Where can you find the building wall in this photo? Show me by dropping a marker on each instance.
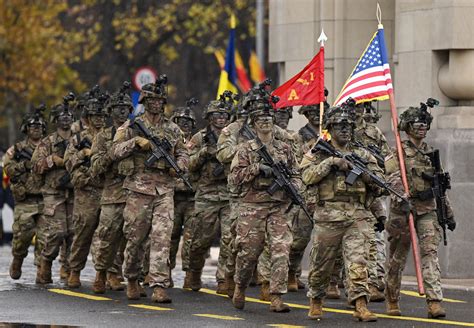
(431, 49)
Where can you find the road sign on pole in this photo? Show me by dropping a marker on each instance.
(142, 76)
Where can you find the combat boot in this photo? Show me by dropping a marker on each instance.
(333, 292)
(315, 308)
(133, 293)
(376, 295)
(292, 282)
(15, 268)
(99, 284)
(38, 275)
(435, 310)
(113, 282)
(301, 284)
(362, 312)
(63, 273)
(277, 304)
(142, 290)
(196, 284)
(146, 281)
(265, 291)
(393, 309)
(74, 280)
(229, 280)
(45, 272)
(187, 280)
(239, 297)
(160, 296)
(221, 288)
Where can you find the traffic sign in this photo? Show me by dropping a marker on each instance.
(142, 76)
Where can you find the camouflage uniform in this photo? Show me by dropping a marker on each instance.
(26, 189)
(58, 197)
(149, 208)
(427, 227)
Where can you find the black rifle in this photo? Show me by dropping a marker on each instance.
(374, 150)
(281, 172)
(85, 143)
(160, 149)
(441, 181)
(22, 154)
(65, 180)
(210, 139)
(359, 166)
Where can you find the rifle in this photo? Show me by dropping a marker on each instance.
(85, 143)
(359, 166)
(210, 139)
(160, 149)
(22, 154)
(374, 150)
(441, 181)
(281, 172)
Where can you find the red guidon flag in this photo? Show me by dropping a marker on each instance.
(306, 87)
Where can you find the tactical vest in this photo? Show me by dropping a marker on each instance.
(26, 184)
(56, 179)
(419, 169)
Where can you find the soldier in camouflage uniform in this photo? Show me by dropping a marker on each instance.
(416, 123)
(283, 116)
(185, 118)
(26, 189)
(58, 195)
(109, 235)
(263, 217)
(149, 209)
(370, 135)
(211, 209)
(87, 190)
(341, 216)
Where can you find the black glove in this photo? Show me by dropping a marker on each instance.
(380, 225)
(451, 224)
(265, 170)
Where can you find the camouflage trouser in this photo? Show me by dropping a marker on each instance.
(328, 240)
(381, 258)
(377, 247)
(183, 212)
(147, 216)
(27, 222)
(301, 229)
(108, 239)
(257, 224)
(145, 266)
(59, 229)
(429, 236)
(233, 215)
(86, 219)
(209, 217)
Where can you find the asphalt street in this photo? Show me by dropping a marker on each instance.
(23, 304)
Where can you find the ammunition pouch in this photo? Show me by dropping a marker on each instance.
(424, 195)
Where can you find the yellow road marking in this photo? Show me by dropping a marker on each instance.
(380, 315)
(215, 316)
(415, 294)
(150, 307)
(285, 326)
(81, 295)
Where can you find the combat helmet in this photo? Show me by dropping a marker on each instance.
(260, 99)
(417, 115)
(62, 109)
(95, 104)
(186, 111)
(339, 114)
(36, 117)
(155, 90)
(120, 98)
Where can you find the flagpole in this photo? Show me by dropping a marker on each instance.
(322, 38)
(403, 173)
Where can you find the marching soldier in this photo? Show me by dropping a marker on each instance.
(26, 189)
(211, 209)
(262, 218)
(415, 122)
(149, 209)
(108, 236)
(58, 195)
(341, 218)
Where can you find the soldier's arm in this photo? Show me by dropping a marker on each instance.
(13, 167)
(181, 153)
(374, 168)
(124, 144)
(226, 146)
(197, 153)
(241, 169)
(295, 171)
(100, 156)
(392, 172)
(315, 169)
(42, 160)
(73, 158)
(384, 147)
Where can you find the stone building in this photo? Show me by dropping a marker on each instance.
(431, 48)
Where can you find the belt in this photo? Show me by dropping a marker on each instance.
(345, 199)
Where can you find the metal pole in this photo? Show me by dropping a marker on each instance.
(260, 38)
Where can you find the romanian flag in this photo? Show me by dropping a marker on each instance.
(243, 81)
(257, 74)
(227, 80)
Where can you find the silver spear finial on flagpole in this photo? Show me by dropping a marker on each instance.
(322, 38)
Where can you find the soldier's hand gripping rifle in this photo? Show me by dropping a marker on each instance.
(374, 150)
(441, 181)
(359, 167)
(281, 172)
(210, 139)
(22, 154)
(160, 150)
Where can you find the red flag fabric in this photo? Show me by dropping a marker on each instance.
(306, 87)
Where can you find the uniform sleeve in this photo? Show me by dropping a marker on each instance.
(375, 169)
(124, 143)
(181, 153)
(392, 172)
(296, 175)
(242, 170)
(73, 158)
(100, 156)
(314, 170)
(197, 156)
(42, 159)
(11, 166)
(226, 147)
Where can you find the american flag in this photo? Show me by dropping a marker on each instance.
(370, 79)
